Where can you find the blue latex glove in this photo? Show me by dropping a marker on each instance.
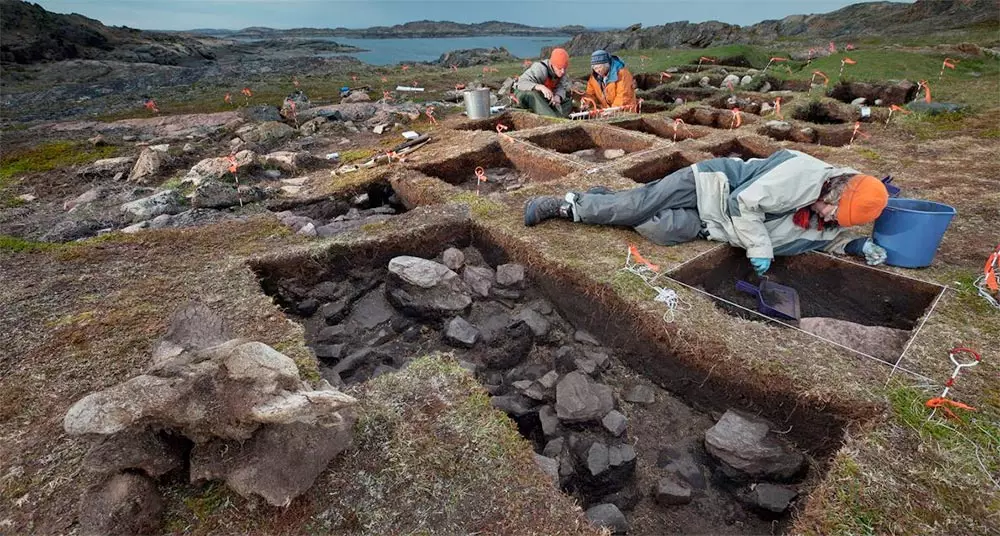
(874, 253)
(761, 264)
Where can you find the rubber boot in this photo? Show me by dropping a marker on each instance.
(539, 209)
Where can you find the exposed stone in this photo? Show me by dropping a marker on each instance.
(372, 310)
(640, 393)
(461, 333)
(608, 516)
(265, 133)
(585, 338)
(479, 279)
(615, 423)
(356, 96)
(548, 466)
(597, 458)
(772, 498)
(147, 208)
(68, 230)
(548, 381)
(746, 81)
(215, 194)
(511, 348)
(453, 258)
(279, 464)
(549, 420)
(330, 353)
(147, 166)
(538, 324)
(217, 168)
(612, 154)
(579, 399)
(743, 446)
(106, 168)
(332, 334)
(420, 272)
(683, 465)
(140, 449)
(515, 405)
(125, 504)
(289, 161)
(554, 448)
(671, 492)
(510, 275)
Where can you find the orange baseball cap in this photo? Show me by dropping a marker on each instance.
(862, 202)
(559, 58)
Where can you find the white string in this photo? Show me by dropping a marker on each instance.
(796, 328)
(983, 291)
(914, 336)
(666, 296)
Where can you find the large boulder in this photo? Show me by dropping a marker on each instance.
(280, 463)
(254, 422)
(424, 288)
(580, 399)
(139, 449)
(608, 516)
(289, 161)
(265, 133)
(746, 451)
(217, 194)
(107, 168)
(217, 168)
(125, 504)
(148, 165)
(147, 208)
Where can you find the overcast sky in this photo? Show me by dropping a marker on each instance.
(235, 14)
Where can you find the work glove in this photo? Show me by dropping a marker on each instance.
(874, 253)
(761, 264)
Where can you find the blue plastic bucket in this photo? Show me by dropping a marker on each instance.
(910, 230)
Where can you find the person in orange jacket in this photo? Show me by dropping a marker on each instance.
(611, 84)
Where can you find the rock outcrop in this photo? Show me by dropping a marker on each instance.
(252, 420)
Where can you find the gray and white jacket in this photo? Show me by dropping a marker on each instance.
(750, 204)
(538, 73)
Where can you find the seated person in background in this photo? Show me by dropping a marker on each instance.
(544, 87)
(785, 204)
(611, 84)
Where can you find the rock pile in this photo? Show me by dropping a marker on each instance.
(223, 408)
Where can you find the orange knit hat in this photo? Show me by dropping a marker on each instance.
(862, 202)
(559, 58)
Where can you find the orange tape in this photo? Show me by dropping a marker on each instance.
(246, 92)
(430, 114)
(228, 99)
(232, 163)
(849, 61)
(637, 257)
(990, 271)
(737, 119)
(943, 403)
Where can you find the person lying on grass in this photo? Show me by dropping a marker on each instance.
(785, 204)
(544, 87)
(611, 84)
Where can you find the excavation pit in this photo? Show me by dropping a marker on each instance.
(825, 113)
(663, 128)
(509, 165)
(329, 216)
(583, 137)
(744, 148)
(828, 288)
(886, 93)
(658, 165)
(749, 104)
(363, 320)
(711, 117)
(512, 120)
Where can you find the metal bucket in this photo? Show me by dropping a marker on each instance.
(477, 103)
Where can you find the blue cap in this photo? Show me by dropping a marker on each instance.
(600, 56)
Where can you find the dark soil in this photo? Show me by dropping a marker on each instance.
(667, 425)
(663, 128)
(589, 137)
(659, 166)
(530, 166)
(744, 149)
(827, 288)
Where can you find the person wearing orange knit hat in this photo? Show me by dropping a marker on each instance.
(544, 87)
(785, 204)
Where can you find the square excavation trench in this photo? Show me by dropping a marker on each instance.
(512, 120)
(743, 148)
(663, 128)
(359, 325)
(658, 166)
(598, 138)
(507, 167)
(827, 288)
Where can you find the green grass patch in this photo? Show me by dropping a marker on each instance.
(14, 244)
(356, 155)
(49, 156)
(481, 207)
